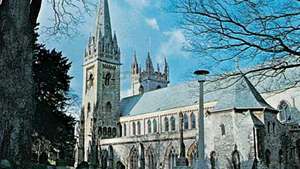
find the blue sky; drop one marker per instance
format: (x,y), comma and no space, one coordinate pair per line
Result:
(140,25)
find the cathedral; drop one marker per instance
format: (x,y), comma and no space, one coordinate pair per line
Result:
(246,127)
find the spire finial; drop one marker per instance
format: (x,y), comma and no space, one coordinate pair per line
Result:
(103,21)
(149,65)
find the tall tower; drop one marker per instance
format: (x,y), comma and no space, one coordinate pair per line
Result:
(101,83)
(148,79)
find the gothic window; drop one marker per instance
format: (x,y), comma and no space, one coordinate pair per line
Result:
(149,126)
(138,128)
(283,108)
(107,79)
(109,131)
(273,127)
(114,132)
(108,107)
(236,160)
(110,156)
(185,121)
(133,159)
(154,126)
(222,126)
(173,123)
(192,154)
(125,132)
(166,121)
(268,157)
(150,159)
(193,121)
(133,128)
(90,81)
(120,130)
(213,159)
(172,159)
(100,131)
(141,89)
(104,131)
(89,108)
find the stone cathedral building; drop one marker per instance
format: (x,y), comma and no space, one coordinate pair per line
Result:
(245,126)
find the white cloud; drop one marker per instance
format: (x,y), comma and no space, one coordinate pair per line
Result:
(152,23)
(173,46)
(139,4)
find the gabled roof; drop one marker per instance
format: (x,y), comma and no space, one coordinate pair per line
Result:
(241,95)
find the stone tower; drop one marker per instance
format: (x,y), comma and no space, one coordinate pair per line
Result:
(148,79)
(101,84)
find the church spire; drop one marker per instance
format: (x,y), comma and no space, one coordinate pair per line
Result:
(103,27)
(135,66)
(149,65)
(166,70)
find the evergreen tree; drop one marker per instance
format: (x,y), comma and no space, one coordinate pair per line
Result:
(50,74)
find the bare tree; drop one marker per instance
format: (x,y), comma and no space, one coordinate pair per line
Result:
(17,22)
(229,34)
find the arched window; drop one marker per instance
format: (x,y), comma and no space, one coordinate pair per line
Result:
(268,157)
(150,159)
(166,122)
(149,126)
(114,132)
(125,130)
(109,131)
(89,107)
(173,123)
(185,121)
(222,126)
(154,126)
(283,108)
(236,159)
(90,81)
(99,131)
(133,129)
(141,89)
(108,107)
(110,157)
(193,121)
(213,159)
(172,159)
(138,128)
(107,79)
(120,130)
(104,131)
(133,159)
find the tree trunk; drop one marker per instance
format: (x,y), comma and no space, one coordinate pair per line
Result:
(16,84)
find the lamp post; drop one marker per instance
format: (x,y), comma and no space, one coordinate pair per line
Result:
(201,74)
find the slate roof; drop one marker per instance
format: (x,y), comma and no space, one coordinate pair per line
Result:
(241,94)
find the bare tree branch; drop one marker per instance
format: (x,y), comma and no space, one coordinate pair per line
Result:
(264,33)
